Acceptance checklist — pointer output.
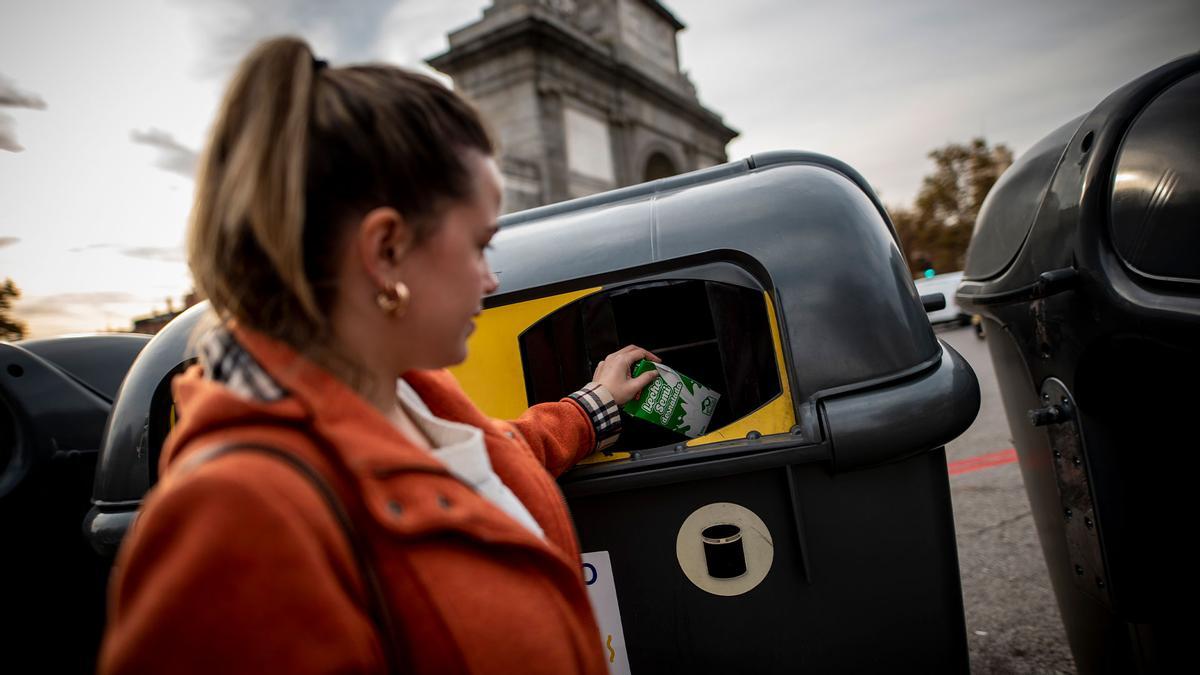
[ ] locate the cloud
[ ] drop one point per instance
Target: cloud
(159, 253)
(8, 241)
(8, 134)
(89, 247)
(13, 97)
(341, 32)
(68, 304)
(878, 84)
(417, 29)
(173, 156)
(155, 253)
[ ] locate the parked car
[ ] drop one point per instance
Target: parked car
(947, 285)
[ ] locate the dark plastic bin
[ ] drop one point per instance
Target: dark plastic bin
(55, 395)
(776, 281)
(1085, 265)
(811, 527)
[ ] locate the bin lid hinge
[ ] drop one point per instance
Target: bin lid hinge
(1047, 284)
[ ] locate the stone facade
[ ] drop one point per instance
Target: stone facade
(584, 96)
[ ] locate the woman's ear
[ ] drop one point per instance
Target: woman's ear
(383, 238)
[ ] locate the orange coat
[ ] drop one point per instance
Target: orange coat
(238, 564)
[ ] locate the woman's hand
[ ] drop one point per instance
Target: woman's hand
(613, 373)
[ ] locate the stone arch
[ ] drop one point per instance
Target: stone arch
(645, 148)
(658, 165)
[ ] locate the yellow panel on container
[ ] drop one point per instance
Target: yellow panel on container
(492, 374)
(600, 458)
(777, 416)
(494, 378)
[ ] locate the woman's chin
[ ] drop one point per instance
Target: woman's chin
(458, 356)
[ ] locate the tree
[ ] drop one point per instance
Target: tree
(10, 328)
(935, 232)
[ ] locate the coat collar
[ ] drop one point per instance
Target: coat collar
(405, 488)
(336, 411)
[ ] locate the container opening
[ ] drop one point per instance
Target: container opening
(162, 416)
(719, 534)
(716, 333)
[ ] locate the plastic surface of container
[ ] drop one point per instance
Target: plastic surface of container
(810, 526)
(55, 395)
(1093, 322)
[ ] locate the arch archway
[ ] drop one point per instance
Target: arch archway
(658, 165)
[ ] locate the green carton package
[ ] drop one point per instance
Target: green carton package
(674, 401)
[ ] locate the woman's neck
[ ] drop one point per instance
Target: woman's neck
(376, 386)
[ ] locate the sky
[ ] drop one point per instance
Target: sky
(104, 105)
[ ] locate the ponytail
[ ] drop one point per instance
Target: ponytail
(251, 183)
(297, 151)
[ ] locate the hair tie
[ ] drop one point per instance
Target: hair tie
(318, 64)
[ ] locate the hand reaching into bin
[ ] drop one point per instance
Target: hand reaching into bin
(613, 373)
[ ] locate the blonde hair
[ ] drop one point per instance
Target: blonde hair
(298, 149)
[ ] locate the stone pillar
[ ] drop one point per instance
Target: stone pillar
(531, 64)
(554, 140)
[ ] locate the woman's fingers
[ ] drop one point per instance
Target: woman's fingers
(642, 353)
(623, 388)
(622, 359)
(631, 354)
(614, 372)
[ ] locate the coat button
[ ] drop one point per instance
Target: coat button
(395, 508)
(443, 501)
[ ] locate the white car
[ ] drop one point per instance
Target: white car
(947, 285)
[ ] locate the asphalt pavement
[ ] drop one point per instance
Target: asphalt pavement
(1013, 623)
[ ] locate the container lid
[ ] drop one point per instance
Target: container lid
(1008, 213)
(1155, 212)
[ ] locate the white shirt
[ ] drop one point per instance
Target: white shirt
(460, 447)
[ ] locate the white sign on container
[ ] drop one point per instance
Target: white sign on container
(602, 591)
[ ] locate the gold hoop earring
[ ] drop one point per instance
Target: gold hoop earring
(386, 302)
(394, 303)
(402, 297)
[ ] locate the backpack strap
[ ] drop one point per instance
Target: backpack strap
(377, 605)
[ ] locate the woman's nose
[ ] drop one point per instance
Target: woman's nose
(491, 282)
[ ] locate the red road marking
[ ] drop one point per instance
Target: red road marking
(989, 457)
(982, 462)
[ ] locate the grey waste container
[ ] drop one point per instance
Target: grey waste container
(55, 395)
(1085, 264)
(811, 526)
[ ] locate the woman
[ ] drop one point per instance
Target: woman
(330, 500)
